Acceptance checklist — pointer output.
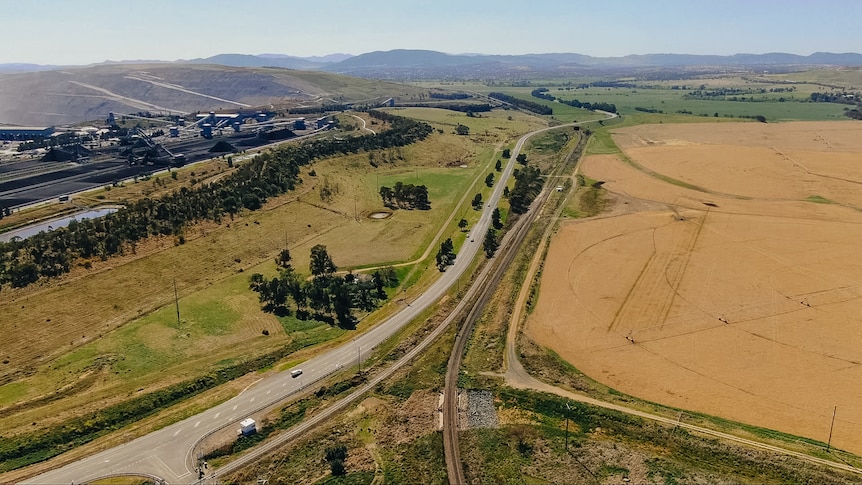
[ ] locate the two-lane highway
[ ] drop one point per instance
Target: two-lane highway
(167, 453)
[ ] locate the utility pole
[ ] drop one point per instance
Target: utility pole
(829, 443)
(177, 301)
(567, 426)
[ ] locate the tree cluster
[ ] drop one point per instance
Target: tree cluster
(843, 98)
(405, 196)
(446, 254)
(527, 186)
(537, 108)
(326, 294)
(271, 174)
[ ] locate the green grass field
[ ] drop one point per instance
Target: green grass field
(661, 96)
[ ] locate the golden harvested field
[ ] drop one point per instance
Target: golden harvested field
(727, 278)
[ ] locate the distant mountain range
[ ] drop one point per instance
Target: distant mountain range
(404, 59)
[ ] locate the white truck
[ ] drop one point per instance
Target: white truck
(246, 427)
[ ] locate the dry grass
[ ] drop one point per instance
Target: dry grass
(115, 325)
(737, 300)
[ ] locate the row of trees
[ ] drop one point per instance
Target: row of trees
(326, 296)
(449, 95)
(50, 254)
(405, 196)
(465, 107)
(542, 93)
(537, 108)
(527, 186)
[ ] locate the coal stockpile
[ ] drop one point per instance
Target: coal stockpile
(223, 147)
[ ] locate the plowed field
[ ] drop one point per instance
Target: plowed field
(727, 278)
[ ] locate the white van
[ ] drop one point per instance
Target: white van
(296, 373)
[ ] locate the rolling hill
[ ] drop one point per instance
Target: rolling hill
(74, 95)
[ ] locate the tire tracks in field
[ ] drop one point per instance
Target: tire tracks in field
(516, 376)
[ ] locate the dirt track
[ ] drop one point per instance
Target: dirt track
(733, 295)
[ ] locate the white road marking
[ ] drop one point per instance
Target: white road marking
(177, 432)
(251, 400)
(196, 424)
(217, 415)
(234, 408)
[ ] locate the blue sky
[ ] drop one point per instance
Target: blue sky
(87, 31)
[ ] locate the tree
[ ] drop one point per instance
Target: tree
(337, 467)
(342, 303)
(462, 224)
(283, 259)
(446, 254)
(336, 455)
(318, 298)
(420, 197)
(495, 219)
(321, 263)
(387, 195)
(477, 201)
(522, 158)
(462, 129)
(379, 284)
(507, 153)
(498, 166)
(489, 180)
(490, 243)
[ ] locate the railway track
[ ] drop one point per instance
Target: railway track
(506, 253)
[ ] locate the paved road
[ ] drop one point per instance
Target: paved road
(167, 453)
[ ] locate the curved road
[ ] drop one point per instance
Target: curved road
(167, 453)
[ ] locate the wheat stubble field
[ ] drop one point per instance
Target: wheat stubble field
(726, 277)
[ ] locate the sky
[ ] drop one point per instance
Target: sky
(74, 32)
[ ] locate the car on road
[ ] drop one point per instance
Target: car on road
(296, 373)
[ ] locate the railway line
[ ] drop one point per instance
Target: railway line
(164, 453)
(506, 253)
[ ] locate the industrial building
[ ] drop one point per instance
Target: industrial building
(25, 132)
